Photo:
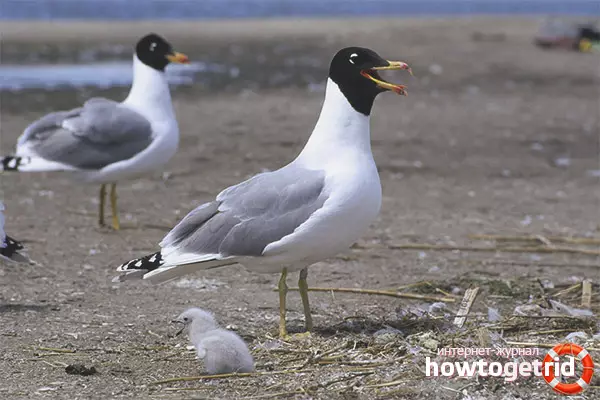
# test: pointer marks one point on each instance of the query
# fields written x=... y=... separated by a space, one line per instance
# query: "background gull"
x=222 y=350
x=10 y=249
x=311 y=209
x=106 y=141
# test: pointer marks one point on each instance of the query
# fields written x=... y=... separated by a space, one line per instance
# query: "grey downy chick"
x=223 y=351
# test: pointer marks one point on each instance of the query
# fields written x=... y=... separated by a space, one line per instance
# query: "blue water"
x=194 y=9
x=100 y=74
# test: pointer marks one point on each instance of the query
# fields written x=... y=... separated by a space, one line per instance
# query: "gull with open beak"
x=311 y=209
x=105 y=141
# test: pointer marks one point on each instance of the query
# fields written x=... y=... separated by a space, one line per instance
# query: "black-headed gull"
x=105 y=141
x=286 y=220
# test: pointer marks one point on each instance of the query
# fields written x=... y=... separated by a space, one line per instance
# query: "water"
x=207 y=9
x=101 y=74
x=110 y=74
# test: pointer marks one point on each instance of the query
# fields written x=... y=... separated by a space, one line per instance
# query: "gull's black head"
x=157 y=53
x=354 y=69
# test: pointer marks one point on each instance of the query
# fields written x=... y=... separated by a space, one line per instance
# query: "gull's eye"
x=352 y=56
x=152 y=46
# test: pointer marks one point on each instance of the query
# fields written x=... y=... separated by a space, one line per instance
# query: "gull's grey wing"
x=245 y=218
x=98 y=134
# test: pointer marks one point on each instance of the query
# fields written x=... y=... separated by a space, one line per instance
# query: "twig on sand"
x=586 y=293
x=275 y=395
x=340 y=379
x=381 y=293
x=54 y=350
x=465 y=306
x=57 y=364
x=575 y=317
x=387 y=384
x=319 y=357
x=538 y=264
x=232 y=375
x=567 y=290
x=550 y=331
x=537 y=238
x=424 y=246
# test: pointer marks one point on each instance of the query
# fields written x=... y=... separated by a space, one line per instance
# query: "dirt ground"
x=496 y=137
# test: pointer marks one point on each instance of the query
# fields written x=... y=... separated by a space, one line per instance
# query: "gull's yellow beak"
x=178 y=58
x=374 y=76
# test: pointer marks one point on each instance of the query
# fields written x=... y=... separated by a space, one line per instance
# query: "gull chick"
x=222 y=351
x=10 y=249
x=313 y=208
x=105 y=141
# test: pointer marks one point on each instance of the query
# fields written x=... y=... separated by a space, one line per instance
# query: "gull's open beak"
x=374 y=76
x=178 y=58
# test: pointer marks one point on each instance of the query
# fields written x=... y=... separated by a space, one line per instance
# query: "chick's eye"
x=185 y=319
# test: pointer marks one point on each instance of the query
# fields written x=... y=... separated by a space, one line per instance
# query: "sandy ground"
x=496 y=137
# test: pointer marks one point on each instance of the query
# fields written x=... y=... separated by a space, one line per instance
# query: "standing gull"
x=9 y=247
x=286 y=220
x=105 y=141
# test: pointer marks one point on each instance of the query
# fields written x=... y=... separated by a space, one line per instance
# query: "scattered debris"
x=465 y=306
x=80 y=369
x=565 y=309
x=586 y=293
x=493 y=315
x=555 y=33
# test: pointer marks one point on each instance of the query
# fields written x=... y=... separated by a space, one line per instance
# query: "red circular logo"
x=550 y=375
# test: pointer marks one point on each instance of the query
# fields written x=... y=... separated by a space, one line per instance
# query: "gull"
x=105 y=141
x=223 y=351
x=9 y=248
x=311 y=209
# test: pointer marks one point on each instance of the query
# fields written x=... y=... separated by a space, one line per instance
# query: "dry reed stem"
x=423 y=246
x=414 y=296
x=537 y=238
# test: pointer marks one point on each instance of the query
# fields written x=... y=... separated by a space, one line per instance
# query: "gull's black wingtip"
x=12 y=163
x=11 y=247
x=147 y=263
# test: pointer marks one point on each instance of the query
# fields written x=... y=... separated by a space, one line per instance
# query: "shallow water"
x=98 y=74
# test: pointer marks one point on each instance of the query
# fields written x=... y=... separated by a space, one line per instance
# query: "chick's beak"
x=178 y=58
x=374 y=76
x=176 y=321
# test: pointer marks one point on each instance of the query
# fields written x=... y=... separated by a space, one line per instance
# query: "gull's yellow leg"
x=303 y=289
x=113 y=203
x=283 y=289
x=101 y=210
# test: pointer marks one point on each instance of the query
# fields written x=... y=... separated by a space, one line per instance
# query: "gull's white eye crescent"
x=152 y=46
x=352 y=56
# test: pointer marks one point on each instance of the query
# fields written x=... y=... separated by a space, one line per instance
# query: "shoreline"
x=260 y=28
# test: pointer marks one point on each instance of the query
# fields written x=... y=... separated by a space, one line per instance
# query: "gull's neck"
x=149 y=92
x=340 y=128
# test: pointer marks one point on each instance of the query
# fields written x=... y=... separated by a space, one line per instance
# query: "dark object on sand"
x=560 y=34
x=80 y=369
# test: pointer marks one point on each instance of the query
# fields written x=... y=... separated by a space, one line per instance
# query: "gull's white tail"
x=158 y=270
